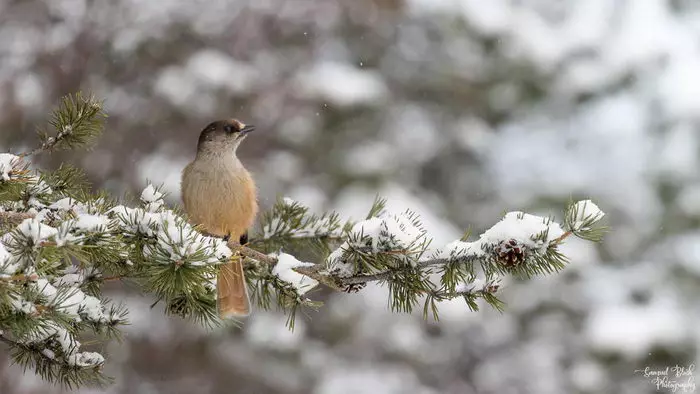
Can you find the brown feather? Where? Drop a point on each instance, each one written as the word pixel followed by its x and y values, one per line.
pixel 232 292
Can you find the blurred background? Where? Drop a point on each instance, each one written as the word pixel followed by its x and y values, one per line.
pixel 459 109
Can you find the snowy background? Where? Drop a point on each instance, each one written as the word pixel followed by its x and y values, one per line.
pixel 459 109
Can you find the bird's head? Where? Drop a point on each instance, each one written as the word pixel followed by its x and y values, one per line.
pixel 223 136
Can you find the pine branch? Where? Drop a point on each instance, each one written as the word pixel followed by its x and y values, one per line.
pixel 60 242
pixel 78 121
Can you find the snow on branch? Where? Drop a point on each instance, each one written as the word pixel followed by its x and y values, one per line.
pixel 60 242
pixel 394 249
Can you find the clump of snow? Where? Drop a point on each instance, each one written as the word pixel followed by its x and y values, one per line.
pixel 35 230
pixel 86 359
pixel 22 306
pixel 392 232
pixel 321 227
pixel 8 266
pixel 522 227
pixel 337 265
pixel 37 186
pixel 87 222
pixel 152 198
pixel 7 164
pixel 177 240
pixel 585 213
pixel 69 204
pixel 72 301
pixel 518 226
pixel 70 279
pixel 376 235
pixel 476 284
pixel 69 345
pixel 48 353
pixel 460 250
pixel 72 231
pixel 63 204
pixel 284 269
pixel 4 254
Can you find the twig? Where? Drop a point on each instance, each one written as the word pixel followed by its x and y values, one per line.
pixel 311 272
pixel 14 218
pixel 111 278
pixel 20 277
pixel 561 238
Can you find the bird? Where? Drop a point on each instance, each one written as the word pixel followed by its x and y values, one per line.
pixel 220 196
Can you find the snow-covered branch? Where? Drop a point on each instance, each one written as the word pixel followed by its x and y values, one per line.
pixel 395 249
pixel 60 242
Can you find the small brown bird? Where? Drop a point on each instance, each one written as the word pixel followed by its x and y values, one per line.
pixel 220 195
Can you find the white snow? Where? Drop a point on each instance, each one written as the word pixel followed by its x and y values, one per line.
pixel 7 164
pixel 519 226
pixel 87 222
pixel 460 249
pixel 379 234
pixel 354 201
pixel 152 198
pixel 69 279
pixel 72 301
pixel 21 305
pixel 63 204
pixel 180 241
pixel 320 227
pixel 337 266
pixel 177 240
pixel 522 227
pixel 284 269
pixel 586 213
pixel 4 254
pixel 36 230
pixel 86 359
pixel 37 186
pixel 475 285
pixel 69 346
pixel 391 232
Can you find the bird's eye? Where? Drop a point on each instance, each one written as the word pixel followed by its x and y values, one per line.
pixel 228 128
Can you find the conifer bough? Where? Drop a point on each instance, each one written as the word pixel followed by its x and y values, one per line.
pixel 60 242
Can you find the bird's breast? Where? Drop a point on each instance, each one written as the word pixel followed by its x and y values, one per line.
pixel 220 198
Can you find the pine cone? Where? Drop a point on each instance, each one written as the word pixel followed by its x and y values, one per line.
pixel 510 253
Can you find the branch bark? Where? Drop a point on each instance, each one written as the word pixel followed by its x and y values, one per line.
pixel 14 218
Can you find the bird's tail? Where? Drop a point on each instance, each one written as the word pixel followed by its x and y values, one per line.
pixel 232 300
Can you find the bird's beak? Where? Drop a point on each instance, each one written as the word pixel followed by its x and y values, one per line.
pixel 247 129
